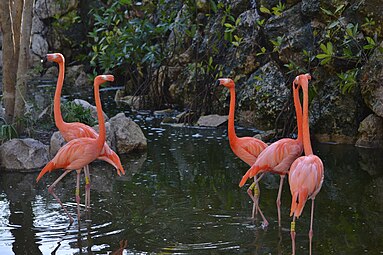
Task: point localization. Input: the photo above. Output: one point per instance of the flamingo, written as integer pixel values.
(306, 173)
(80, 152)
(278, 157)
(246, 148)
(74, 130)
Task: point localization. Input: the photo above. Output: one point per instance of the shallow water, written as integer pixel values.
(182, 197)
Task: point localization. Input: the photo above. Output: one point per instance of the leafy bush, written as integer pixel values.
(73, 112)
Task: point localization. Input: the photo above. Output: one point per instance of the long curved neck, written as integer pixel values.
(306, 128)
(100, 115)
(298, 112)
(56, 104)
(230, 127)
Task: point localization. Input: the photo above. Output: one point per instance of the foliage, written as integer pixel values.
(348, 80)
(276, 10)
(7, 132)
(73, 112)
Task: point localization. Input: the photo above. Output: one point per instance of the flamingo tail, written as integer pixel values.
(253, 171)
(113, 159)
(298, 202)
(48, 168)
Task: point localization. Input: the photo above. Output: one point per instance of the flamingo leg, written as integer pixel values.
(311, 225)
(87, 187)
(255, 199)
(78, 199)
(278, 202)
(292, 234)
(51, 190)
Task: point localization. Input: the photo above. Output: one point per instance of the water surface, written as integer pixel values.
(182, 197)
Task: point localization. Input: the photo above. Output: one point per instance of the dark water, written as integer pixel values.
(181, 197)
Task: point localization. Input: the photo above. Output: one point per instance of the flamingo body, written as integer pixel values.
(305, 179)
(276, 158)
(73, 155)
(74, 130)
(246, 148)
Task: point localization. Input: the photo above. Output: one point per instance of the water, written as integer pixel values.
(181, 196)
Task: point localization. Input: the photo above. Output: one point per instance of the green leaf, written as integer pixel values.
(327, 12)
(322, 56)
(264, 10)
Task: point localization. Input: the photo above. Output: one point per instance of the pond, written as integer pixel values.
(181, 196)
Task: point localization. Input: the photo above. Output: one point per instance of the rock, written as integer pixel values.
(39, 45)
(370, 132)
(264, 94)
(371, 83)
(72, 73)
(134, 102)
(334, 116)
(23, 154)
(310, 7)
(52, 72)
(92, 108)
(129, 135)
(1, 58)
(110, 136)
(82, 80)
(295, 30)
(38, 26)
(49, 8)
(57, 141)
(213, 120)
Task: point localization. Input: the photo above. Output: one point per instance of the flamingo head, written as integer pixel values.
(227, 82)
(107, 77)
(103, 78)
(301, 80)
(55, 57)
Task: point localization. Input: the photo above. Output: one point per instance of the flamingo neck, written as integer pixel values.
(298, 112)
(56, 102)
(100, 116)
(231, 129)
(306, 129)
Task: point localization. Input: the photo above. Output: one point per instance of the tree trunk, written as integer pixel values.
(22, 67)
(9, 74)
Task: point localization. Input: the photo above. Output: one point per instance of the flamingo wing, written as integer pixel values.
(276, 158)
(75, 130)
(305, 178)
(248, 149)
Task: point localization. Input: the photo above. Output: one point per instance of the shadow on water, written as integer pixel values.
(182, 197)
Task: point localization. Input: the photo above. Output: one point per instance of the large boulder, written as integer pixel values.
(23, 154)
(370, 132)
(335, 116)
(371, 82)
(263, 96)
(129, 135)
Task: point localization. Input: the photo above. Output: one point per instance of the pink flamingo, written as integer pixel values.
(79, 152)
(278, 157)
(246, 148)
(306, 173)
(74, 130)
